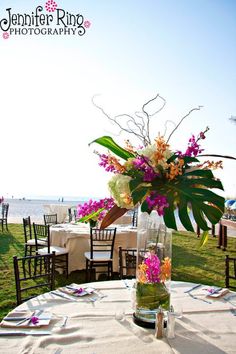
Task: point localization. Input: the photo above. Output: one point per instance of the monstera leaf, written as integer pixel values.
(191, 191)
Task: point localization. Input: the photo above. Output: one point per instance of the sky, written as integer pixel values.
(183, 50)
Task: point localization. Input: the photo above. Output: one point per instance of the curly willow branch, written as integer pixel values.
(181, 120)
(138, 125)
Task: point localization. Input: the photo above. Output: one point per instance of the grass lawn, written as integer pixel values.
(190, 263)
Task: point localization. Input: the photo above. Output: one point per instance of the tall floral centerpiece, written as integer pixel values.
(165, 183)
(93, 210)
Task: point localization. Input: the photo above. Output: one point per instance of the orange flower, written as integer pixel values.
(129, 147)
(113, 161)
(142, 272)
(213, 165)
(176, 169)
(165, 269)
(161, 148)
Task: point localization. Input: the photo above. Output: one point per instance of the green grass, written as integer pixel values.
(190, 263)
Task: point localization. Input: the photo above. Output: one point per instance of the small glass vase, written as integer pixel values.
(153, 273)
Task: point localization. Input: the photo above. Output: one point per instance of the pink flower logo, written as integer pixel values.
(87, 24)
(5, 35)
(50, 6)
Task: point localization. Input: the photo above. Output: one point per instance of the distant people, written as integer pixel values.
(1, 200)
(62, 199)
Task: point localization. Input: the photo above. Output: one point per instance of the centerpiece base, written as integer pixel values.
(141, 323)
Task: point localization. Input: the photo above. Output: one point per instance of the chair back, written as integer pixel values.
(42, 233)
(102, 240)
(70, 216)
(230, 272)
(50, 219)
(33, 275)
(5, 207)
(127, 262)
(27, 228)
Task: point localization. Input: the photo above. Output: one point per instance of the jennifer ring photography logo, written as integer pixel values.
(49, 19)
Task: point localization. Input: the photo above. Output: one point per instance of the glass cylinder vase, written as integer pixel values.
(153, 273)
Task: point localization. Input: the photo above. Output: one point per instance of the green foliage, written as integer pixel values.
(91, 216)
(109, 143)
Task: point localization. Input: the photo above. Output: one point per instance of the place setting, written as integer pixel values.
(26, 322)
(75, 292)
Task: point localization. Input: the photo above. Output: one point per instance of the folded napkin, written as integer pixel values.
(217, 292)
(76, 290)
(26, 319)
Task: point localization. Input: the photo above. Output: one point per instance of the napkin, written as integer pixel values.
(218, 293)
(15, 319)
(76, 290)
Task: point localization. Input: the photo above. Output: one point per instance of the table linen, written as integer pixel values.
(60, 209)
(94, 327)
(76, 239)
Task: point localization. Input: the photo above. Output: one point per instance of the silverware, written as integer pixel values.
(197, 298)
(194, 287)
(27, 320)
(62, 295)
(25, 333)
(64, 321)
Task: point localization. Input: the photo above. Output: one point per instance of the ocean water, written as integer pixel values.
(20, 208)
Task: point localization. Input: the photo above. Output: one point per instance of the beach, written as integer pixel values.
(21, 208)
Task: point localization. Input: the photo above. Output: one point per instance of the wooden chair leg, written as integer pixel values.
(86, 276)
(90, 271)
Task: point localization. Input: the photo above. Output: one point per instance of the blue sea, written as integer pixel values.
(20, 208)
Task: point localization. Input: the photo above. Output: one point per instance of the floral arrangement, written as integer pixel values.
(158, 178)
(163, 180)
(94, 210)
(152, 270)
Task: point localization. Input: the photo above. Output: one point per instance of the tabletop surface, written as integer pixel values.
(94, 324)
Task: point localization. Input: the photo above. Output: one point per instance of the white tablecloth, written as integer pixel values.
(92, 327)
(60, 209)
(76, 239)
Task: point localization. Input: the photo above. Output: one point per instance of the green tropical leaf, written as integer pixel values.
(110, 144)
(200, 173)
(184, 214)
(139, 194)
(90, 216)
(194, 193)
(135, 182)
(169, 215)
(204, 239)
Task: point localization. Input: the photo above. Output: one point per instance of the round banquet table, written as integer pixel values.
(76, 239)
(93, 327)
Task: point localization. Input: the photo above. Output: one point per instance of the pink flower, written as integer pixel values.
(153, 267)
(5, 35)
(157, 202)
(79, 291)
(50, 6)
(93, 206)
(34, 320)
(87, 24)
